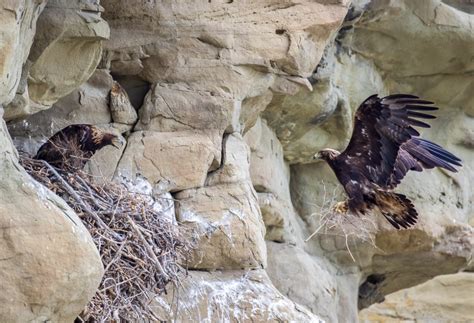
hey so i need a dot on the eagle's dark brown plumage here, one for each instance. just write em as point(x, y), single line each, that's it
point(70, 148)
point(384, 146)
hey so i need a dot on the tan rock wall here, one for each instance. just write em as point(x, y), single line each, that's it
point(223, 104)
point(50, 267)
point(17, 29)
point(446, 298)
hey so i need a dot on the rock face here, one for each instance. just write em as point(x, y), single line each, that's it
point(223, 104)
point(66, 33)
point(153, 155)
point(445, 298)
point(228, 225)
point(49, 266)
point(233, 296)
point(17, 27)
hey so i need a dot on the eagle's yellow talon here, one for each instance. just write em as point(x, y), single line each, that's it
point(340, 207)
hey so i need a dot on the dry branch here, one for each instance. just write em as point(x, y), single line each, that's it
point(139, 246)
point(353, 228)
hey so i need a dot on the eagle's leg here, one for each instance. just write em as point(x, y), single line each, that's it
point(341, 207)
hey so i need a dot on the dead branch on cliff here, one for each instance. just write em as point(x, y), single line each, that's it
point(348, 227)
point(138, 244)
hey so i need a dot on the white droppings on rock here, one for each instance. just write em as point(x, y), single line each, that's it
point(240, 296)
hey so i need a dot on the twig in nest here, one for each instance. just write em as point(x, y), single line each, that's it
point(139, 246)
point(73, 194)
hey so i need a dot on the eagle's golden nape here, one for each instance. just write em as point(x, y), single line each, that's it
point(71, 148)
point(383, 148)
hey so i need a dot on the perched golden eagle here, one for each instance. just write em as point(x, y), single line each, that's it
point(383, 148)
point(70, 148)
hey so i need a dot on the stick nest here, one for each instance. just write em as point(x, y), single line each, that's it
point(139, 245)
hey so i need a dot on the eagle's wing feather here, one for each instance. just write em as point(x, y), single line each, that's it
point(384, 143)
point(71, 147)
point(56, 148)
point(417, 154)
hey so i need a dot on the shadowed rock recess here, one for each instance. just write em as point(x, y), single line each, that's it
point(223, 104)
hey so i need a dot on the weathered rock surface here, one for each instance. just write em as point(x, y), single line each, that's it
point(447, 298)
point(210, 54)
point(235, 162)
point(121, 108)
point(49, 266)
point(226, 224)
point(67, 32)
point(224, 103)
point(232, 296)
point(270, 176)
point(306, 280)
point(17, 28)
point(89, 103)
point(177, 107)
point(170, 161)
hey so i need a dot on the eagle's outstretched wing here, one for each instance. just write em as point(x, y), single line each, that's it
point(417, 154)
point(385, 145)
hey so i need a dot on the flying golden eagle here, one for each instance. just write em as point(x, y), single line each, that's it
point(70, 148)
point(383, 148)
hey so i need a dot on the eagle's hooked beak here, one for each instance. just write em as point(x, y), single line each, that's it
point(317, 156)
point(117, 142)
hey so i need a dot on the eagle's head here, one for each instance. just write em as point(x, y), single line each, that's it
point(111, 139)
point(99, 139)
point(327, 154)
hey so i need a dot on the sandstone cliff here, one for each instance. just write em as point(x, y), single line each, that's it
point(223, 104)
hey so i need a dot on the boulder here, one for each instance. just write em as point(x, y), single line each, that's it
point(120, 106)
point(170, 161)
point(50, 266)
point(66, 33)
point(17, 28)
point(225, 223)
point(176, 107)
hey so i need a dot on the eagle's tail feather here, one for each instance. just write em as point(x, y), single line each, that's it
point(397, 209)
